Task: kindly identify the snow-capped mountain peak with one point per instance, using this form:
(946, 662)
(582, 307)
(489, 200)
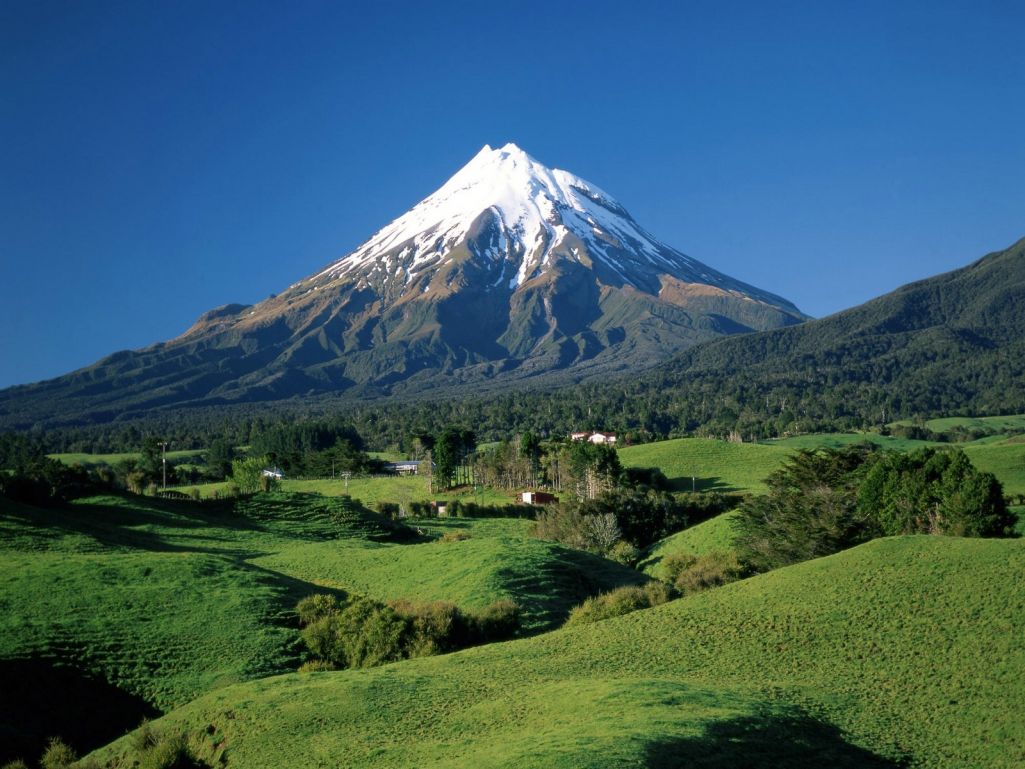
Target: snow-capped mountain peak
(537, 209)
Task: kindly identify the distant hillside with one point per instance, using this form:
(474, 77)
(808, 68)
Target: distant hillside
(869, 658)
(951, 344)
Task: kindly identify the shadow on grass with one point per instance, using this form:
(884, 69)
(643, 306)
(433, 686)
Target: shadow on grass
(547, 589)
(765, 742)
(711, 483)
(43, 699)
(123, 521)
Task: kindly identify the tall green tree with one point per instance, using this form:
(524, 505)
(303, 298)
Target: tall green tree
(933, 491)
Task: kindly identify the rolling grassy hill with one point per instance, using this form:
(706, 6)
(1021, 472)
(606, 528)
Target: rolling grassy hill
(902, 650)
(499, 560)
(118, 607)
(715, 465)
(726, 466)
(713, 534)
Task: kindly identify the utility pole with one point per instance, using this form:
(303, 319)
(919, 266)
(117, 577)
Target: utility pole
(163, 461)
(346, 475)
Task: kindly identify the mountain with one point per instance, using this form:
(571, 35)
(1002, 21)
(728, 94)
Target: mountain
(510, 270)
(950, 344)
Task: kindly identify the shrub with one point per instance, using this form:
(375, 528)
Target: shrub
(194, 493)
(454, 536)
(145, 737)
(715, 568)
(316, 607)
(389, 509)
(421, 510)
(625, 553)
(58, 755)
(618, 602)
(16, 764)
(169, 751)
(498, 621)
(432, 628)
(316, 666)
(363, 632)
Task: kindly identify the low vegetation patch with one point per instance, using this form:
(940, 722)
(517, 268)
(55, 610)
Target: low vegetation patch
(694, 573)
(619, 602)
(360, 632)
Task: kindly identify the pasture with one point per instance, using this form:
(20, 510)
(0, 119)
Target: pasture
(868, 658)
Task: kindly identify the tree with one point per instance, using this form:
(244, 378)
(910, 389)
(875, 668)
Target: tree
(219, 457)
(248, 474)
(530, 448)
(450, 452)
(810, 510)
(933, 491)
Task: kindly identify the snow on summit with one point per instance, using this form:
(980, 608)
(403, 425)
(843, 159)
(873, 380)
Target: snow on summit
(538, 213)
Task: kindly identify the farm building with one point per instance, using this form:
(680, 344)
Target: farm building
(594, 437)
(273, 472)
(405, 467)
(537, 498)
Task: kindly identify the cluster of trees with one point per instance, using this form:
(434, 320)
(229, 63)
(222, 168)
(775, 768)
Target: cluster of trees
(314, 448)
(625, 510)
(28, 475)
(359, 632)
(821, 502)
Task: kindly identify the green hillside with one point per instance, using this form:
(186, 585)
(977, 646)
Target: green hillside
(725, 466)
(714, 465)
(128, 606)
(902, 649)
(499, 560)
(714, 534)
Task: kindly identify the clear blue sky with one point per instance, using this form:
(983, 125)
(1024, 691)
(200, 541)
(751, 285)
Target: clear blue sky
(158, 159)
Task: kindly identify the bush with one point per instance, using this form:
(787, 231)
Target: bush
(389, 509)
(432, 628)
(316, 607)
(498, 621)
(715, 568)
(625, 553)
(316, 666)
(194, 493)
(58, 755)
(454, 536)
(363, 632)
(618, 602)
(16, 764)
(169, 751)
(421, 510)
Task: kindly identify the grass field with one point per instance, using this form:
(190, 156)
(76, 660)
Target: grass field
(372, 489)
(91, 460)
(499, 560)
(840, 440)
(1003, 424)
(902, 650)
(1006, 460)
(725, 466)
(715, 465)
(714, 534)
(120, 606)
